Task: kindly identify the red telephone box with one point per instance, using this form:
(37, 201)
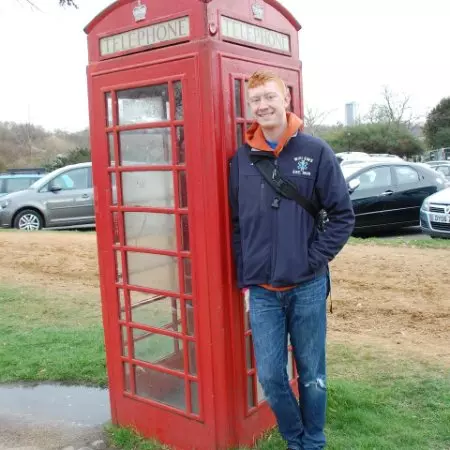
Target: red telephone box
(167, 110)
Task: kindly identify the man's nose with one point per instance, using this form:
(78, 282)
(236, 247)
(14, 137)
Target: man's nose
(263, 103)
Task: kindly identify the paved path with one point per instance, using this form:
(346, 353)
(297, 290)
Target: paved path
(51, 417)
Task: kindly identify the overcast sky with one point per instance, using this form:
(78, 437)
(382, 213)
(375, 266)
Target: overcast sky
(349, 49)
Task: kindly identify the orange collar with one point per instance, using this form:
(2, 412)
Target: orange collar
(256, 139)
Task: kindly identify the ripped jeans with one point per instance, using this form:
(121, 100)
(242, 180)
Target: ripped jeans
(301, 313)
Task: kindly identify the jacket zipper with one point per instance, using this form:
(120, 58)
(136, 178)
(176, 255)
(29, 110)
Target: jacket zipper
(274, 235)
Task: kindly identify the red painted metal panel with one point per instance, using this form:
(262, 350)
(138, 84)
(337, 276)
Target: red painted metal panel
(202, 294)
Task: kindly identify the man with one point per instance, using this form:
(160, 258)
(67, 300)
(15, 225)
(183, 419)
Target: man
(282, 256)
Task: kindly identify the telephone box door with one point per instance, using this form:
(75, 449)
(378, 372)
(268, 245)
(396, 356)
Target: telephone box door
(235, 75)
(145, 176)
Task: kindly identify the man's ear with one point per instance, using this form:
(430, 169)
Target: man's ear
(287, 99)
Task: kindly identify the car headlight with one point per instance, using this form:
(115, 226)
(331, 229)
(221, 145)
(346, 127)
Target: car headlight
(4, 204)
(426, 205)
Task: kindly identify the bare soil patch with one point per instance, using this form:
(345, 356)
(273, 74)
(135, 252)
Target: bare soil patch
(395, 299)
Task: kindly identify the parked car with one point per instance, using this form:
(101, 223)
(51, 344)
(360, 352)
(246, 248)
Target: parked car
(61, 198)
(12, 182)
(385, 155)
(388, 195)
(435, 214)
(443, 167)
(436, 163)
(349, 157)
(346, 158)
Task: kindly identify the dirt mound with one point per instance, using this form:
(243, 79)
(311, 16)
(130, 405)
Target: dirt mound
(393, 298)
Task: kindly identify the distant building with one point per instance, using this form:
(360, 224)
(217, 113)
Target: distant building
(350, 114)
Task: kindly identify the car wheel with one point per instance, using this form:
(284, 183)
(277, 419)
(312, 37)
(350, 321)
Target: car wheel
(28, 220)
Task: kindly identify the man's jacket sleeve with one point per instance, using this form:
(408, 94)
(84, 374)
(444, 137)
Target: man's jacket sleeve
(234, 205)
(333, 195)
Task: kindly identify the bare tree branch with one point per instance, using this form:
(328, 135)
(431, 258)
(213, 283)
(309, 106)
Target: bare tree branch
(61, 3)
(313, 119)
(394, 109)
(68, 3)
(32, 5)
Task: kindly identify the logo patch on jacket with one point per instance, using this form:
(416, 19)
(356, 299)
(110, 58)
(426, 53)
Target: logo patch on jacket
(302, 165)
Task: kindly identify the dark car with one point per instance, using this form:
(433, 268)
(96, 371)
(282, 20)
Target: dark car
(388, 195)
(13, 181)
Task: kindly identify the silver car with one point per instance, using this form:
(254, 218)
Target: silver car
(62, 198)
(435, 214)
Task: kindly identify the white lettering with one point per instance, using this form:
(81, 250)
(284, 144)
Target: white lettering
(236, 29)
(118, 44)
(142, 37)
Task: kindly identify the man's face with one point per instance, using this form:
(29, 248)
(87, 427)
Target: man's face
(268, 103)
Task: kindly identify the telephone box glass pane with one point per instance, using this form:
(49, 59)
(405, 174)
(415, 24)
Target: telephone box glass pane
(150, 230)
(161, 387)
(178, 94)
(148, 147)
(237, 97)
(291, 94)
(164, 351)
(250, 397)
(290, 366)
(187, 269)
(192, 358)
(153, 271)
(246, 313)
(111, 148)
(127, 375)
(143, 105)
(248, 351)
(155, 311)
(113, 189)
(119, 277)
(190, 318)
(121, 296)
(109, 110)
(124, 341)
(194, 397)
(148, 189)
(259, 391)
(248, 110)
(239, 135)
(183, 189)
(185, 244)
(181, 154)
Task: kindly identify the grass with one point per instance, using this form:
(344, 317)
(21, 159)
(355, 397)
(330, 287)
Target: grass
(60, 338)
(46, 338)
(401, 242)
(374, 403)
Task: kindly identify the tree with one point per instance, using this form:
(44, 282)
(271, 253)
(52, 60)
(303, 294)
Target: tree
(75, 156)
(61, 3)
(394, 109)
(437, 126)
(375, 138)
(313, 120)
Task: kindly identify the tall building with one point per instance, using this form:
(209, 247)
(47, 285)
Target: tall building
(350, 114)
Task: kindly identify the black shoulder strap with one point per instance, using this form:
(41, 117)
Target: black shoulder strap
(284, 187)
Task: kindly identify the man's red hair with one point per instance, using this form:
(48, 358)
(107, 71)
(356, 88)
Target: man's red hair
(261, 77)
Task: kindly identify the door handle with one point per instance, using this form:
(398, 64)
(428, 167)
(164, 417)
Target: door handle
(85, 196)
(386, 193)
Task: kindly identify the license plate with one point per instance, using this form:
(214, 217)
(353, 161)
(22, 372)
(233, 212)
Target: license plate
(441, 218)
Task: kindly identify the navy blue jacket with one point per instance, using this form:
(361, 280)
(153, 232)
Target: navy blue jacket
(282, 247)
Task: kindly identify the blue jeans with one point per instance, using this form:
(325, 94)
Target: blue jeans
(301, 313)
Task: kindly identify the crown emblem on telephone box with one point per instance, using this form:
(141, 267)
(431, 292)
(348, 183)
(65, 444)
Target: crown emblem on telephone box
(258, 11)
(139, 12)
